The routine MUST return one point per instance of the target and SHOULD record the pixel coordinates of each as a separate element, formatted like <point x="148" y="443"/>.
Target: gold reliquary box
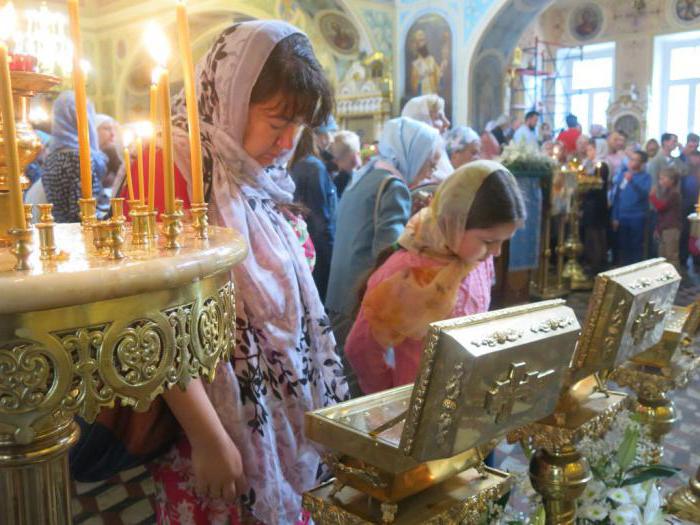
<point x="626" y="315"/>
<point x="479" y="377"/>
<point x="680" y="325"/>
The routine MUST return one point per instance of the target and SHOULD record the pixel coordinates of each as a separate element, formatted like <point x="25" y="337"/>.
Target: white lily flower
<point x="619" y="496"/>
<point x="638" y="494"/>
<point x="627" y="514"/>
<point x="594" y="512"/>
<point x="594" y="490"/>
<point x="653" y="514"/>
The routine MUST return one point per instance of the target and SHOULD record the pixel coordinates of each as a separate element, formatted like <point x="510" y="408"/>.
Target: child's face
<point x="478" y="244"/>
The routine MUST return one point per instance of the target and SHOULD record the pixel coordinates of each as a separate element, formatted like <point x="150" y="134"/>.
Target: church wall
<point x="632" y="32"/>
<point x="113" y="31"/>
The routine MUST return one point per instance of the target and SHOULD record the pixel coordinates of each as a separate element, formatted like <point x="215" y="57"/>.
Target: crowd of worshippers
<point x="347" y="266"/>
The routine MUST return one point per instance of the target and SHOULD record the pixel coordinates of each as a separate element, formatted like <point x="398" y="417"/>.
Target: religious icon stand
<point x="413" y="454"/>
<point x="92" y="321"/>
<point x="667" y="366"/>
<point x="625" y="316"/>
<point x="573" y="271"/>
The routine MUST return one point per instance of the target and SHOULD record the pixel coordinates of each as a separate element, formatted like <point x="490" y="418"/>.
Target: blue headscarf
<point x="64" y="130"/>
<point x="406" y="144"/>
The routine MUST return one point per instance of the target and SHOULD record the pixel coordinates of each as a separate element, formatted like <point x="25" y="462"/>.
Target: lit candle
<point x="17" y="219"/>
<point x="80" y="103"/>
<point x="126" y="139"/>
<point x="183" y="31"/>
<point x="159" y="48"/>
<point x="168" y="168"/>
<point x="152" y="143"/>
<point x="139" y="156"/>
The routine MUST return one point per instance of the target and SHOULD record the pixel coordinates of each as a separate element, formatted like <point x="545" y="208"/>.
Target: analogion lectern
<point x="625" y="316"/>
<point x="413" y="454"/>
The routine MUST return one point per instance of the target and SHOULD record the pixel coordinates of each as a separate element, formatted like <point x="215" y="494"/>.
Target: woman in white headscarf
<point x="441" y="267"/>
<point x="463" y="146"/>
<point x="245" y="457"/>
<point x="430" y="109"/>
<point x="374" y="210"/>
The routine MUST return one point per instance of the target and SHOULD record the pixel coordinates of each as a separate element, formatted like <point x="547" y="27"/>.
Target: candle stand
<point x="107" y="320"/>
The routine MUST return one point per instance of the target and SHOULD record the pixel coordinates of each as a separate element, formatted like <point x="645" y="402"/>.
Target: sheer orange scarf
<point x="404" y="305"/>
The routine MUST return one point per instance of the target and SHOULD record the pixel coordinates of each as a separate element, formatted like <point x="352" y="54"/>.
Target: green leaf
<point x="628" y="448"/>
<point x="647" y="472"/>
<point x="539" y="518"/>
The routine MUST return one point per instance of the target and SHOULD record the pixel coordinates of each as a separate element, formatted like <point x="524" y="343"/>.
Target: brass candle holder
<point x="685" y="502"/>
<point x="115" y="241"/>
<point x="172" y="229"/>
<point x="200" y="221"/>
<point x="21" y="247"/>
<point x="152" y="225"/>
<point x="29" y="215"/>
<point x="88" y="212"/>
<point x="45" y="213"/>
<point x="139" y="225"/>
<point x="47" y="240"/>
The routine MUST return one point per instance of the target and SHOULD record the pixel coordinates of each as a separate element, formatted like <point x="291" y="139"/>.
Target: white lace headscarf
<point x="284" y="362"/>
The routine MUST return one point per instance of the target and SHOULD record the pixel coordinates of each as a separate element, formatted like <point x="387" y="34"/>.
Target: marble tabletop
<point x="83" y="276"/>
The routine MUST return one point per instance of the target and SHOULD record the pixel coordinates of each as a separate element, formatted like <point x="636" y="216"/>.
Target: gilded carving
<point x="551" y="325"/>
<point x="641" y="283"/>
<point x="499" y="338"/>
<point x="614" y="331"/>
<point x="132" y="357"/>
<point x="646" y="321"/>
<point x="139" y="352"/>
<point x="453" y="390"/>
<point x="26" y="376"/>
<point x="519" y="384"/>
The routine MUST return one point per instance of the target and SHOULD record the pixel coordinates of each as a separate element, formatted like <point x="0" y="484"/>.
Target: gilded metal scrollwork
<point x="140" y="345"/>
<point x="518" y="384"/>
<point x="646" y="321"/>
<point x="453" y="390"/>
<point x="498" y="338"/>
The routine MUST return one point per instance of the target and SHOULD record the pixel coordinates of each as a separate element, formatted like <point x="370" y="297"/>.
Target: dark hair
<point x="497" y="201"/>
<point x="671" y="174"/>
<point x="668" y="136"/>
<point x="292" y="69"/>
<point x="642" y="154"/>
<point x="305" y="147"/>
<point x="692" y="137"/>
<point x="571" y="120"/>
<point x="532" y="113"/>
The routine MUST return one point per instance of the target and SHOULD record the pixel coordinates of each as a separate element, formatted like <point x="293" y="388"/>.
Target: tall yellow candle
<point x="168" y="168"/>
<point x="139" y="164"/>
<point x="127" y="171"/>
<point x="183" y="31"/>
<point x="152" y="147"/>
<point x="80" y="103"/>
<point x="17" y="219"/>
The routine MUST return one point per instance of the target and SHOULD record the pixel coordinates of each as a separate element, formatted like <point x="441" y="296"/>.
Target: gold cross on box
<point x="646" y="321"/>
<point x="519" y="384"/>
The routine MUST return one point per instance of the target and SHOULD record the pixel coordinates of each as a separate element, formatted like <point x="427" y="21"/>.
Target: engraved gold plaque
<point x="626" y="315"/>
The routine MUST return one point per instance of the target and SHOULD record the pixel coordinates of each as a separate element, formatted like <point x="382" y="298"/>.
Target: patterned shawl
<point x="284" y="363"/>
<point x="404" y="305"/>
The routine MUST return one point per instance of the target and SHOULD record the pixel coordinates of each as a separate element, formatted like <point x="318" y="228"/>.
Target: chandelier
<point x="37" y="39"/>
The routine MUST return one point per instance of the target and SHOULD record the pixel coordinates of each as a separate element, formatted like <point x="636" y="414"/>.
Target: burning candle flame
<point x="157" y="43"/>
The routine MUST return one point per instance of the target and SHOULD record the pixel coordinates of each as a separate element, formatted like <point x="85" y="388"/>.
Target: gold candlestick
<point x="21" y="247"/>
<point x="116" y="240"/>
<point x="152" y="225"/>
<point x="88" y="212"/>
<point x="172" y="229"/>
<point x="200" y="221"/>
<point x="45" y="214"/>
<point x="139" y="225"/>
<point x="29" y="215"/>
<point x="47" y="240"/>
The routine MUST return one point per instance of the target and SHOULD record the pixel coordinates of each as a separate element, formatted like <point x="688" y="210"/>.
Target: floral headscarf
<point x="404" y="305"/>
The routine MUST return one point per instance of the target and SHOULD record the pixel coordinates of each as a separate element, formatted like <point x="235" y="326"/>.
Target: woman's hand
<point x="218" y="470"/>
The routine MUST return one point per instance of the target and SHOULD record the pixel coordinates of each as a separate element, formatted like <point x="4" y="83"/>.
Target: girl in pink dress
<point x="441" y="267"/>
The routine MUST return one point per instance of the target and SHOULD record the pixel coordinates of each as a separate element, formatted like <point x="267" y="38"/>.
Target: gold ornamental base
<point x="659" y="415"/>
<point x="34" y="480"/>
<point x="685" y="503"/>
<point x="560" y="477"/>
<point x="461" y="499"/>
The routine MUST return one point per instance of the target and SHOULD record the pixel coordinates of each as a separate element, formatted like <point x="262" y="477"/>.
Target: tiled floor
<point x="128" y="498"/>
